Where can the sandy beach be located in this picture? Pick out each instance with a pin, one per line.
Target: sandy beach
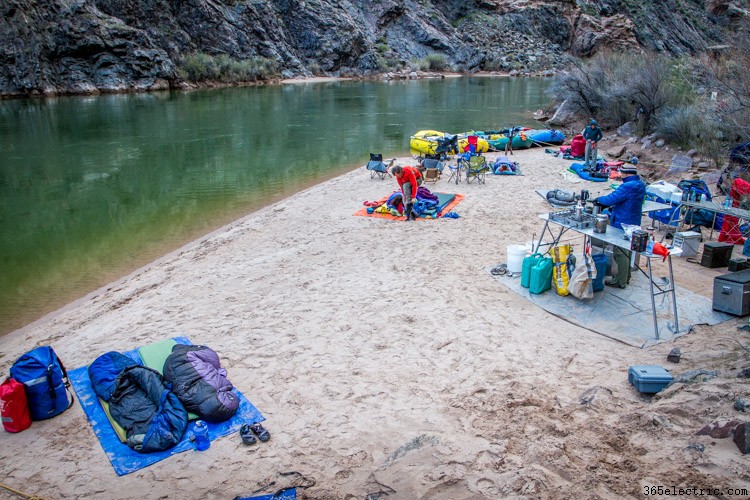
(389, 362)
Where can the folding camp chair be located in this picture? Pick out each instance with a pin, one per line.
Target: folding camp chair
(458, 169)
(433, 169)
(377, 167)
(476, 169)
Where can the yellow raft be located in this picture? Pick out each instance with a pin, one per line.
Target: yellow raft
(425, 142)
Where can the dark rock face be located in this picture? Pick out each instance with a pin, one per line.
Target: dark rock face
(89, 46)
(57, 47)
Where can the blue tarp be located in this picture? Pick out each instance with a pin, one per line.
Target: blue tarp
(285, 494)
(126, 460)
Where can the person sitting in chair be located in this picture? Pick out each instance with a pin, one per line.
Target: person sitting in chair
(409, 179)
(625, 204)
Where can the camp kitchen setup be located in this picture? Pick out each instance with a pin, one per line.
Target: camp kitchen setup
(578, 225)
(585, 219)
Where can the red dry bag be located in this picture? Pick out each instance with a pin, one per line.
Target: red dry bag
(13, 406)
(578, 146)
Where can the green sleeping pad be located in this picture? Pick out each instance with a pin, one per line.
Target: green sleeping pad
(154, 355)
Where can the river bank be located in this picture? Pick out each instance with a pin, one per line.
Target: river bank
(387, 360)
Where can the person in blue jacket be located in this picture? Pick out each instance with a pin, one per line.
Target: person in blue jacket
(625, 203)
(592, 134)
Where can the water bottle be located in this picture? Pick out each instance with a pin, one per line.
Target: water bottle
(650, 246)
(728, 202)
(200, 432)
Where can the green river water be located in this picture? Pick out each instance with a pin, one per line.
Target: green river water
(91, 188)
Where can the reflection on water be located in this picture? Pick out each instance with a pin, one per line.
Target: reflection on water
(93, 187)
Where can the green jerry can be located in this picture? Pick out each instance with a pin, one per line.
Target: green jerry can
(540, 279)
(528, 262)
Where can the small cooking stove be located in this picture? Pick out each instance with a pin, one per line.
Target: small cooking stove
(573, 218)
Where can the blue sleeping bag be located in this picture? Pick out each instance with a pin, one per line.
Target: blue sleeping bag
(578, 168)
(139, 401)
(504, 166)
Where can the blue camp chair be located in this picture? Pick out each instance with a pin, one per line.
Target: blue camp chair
(477, 168)
(377, 168)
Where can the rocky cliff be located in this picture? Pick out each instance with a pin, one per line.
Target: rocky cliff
(88, 46)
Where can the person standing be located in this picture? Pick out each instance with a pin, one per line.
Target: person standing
(626, 203)
(592, 134)
(511, 133)
(409, 179)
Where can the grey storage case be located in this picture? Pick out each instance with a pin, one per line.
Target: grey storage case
(732, 293)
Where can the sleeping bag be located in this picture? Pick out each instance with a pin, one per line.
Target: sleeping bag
(583, 173)
(139, 401)
(200, 382)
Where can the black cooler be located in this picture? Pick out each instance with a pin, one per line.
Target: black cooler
(732, 293)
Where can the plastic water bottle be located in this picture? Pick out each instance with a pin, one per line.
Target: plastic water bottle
(650, 247)
(728, 202)
(200, 431)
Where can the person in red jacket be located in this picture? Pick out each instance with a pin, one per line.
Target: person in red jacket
(409, 179)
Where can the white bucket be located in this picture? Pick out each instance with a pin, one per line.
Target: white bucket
(516, 254)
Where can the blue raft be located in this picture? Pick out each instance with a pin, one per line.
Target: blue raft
(546, 137)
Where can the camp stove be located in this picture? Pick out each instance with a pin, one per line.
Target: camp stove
(574, 217)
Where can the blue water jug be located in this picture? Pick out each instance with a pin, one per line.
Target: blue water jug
(528, 263)
(200, 431)
(601, 262)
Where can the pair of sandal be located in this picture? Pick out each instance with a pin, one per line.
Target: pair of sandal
(248, 433)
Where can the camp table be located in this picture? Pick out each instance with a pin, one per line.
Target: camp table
(616, 237)
(740, 214)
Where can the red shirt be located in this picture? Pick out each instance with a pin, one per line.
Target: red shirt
(410, 174)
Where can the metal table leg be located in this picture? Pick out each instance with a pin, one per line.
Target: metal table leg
(555, 239)
(674, 296)
(541, 236)
(653, 298)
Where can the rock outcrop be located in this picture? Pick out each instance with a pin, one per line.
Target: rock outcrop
(88, 46)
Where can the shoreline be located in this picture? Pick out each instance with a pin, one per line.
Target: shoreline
(385, 357)
(186, 86)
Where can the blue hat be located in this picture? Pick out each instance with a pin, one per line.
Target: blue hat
(592, 122)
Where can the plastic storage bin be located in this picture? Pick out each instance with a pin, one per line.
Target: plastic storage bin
(649, 379)
(689, 241)
(716, 254)
(602, 262)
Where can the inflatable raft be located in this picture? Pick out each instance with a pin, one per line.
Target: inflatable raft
(520, 141)
(427, 141)
(545, 137)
